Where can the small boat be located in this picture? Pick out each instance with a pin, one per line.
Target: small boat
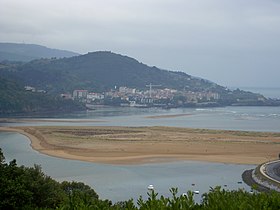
(196, 191)
(239, 182)
(151, 187)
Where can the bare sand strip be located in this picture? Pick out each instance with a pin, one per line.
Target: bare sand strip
(34, 120)
(130, 145)
(167, 116)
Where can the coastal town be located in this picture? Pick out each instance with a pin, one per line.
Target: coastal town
(149, 97)
(157, 96)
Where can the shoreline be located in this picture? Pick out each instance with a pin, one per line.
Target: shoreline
(167, 116)
(126, 146)
(33, 120)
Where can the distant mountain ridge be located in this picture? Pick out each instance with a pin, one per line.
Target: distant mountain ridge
(28, 52)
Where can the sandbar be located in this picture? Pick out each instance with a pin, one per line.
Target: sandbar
(139, 145)
(167, 116)
(34, 120)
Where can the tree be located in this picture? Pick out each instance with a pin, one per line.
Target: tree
(23, 187)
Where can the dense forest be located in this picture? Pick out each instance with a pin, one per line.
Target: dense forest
(99, 71)
(29, 188)
(15, 99)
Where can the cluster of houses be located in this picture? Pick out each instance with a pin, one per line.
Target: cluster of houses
(126, 96)
(33, 89)
(156, 96)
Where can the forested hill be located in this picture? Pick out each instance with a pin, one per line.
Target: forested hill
(14, 99)
(103, 71)
(28, 52)
(100, 71)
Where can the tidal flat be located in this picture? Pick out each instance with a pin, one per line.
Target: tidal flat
(137, 145)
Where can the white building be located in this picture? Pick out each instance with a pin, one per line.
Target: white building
(94, 96)
(80, 94)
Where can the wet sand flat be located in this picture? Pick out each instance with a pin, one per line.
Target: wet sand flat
(137, 145)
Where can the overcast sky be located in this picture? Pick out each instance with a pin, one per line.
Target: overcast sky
(230, 42)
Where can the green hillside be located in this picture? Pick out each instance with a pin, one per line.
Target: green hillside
(14, 99)
(100, 71)
(103, 71)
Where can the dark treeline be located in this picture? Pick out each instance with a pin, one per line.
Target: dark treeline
(29, 188)
(15, 100)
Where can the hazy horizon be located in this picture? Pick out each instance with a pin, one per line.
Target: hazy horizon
(233, 43)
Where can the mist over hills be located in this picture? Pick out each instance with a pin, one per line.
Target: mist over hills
(28, 52)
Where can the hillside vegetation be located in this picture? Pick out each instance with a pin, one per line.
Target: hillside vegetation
(101, 72)
(14, 99)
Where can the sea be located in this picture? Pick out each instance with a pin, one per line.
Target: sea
(268, 92)
(122, 182)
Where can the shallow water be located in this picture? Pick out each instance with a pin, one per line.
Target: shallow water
(122, 182)
(226, 118)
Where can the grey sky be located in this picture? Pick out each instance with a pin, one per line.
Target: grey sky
(231, 42)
